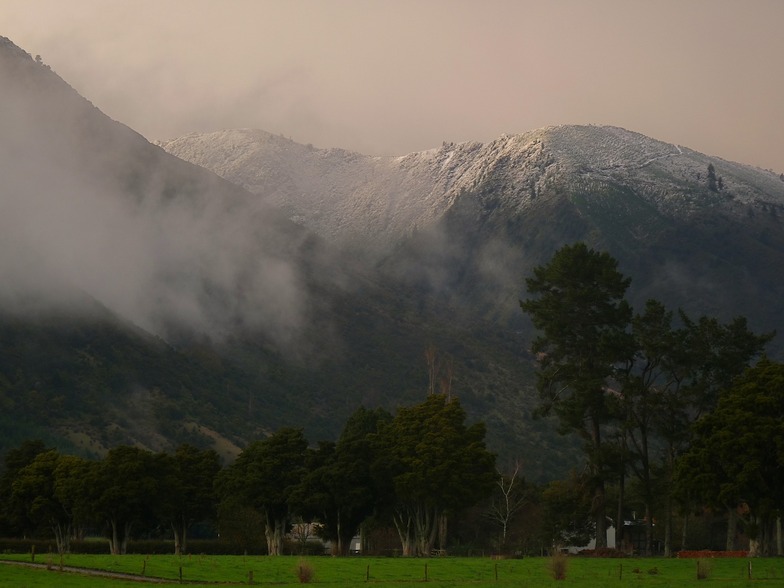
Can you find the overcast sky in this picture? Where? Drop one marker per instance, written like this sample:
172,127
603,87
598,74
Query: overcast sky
395,76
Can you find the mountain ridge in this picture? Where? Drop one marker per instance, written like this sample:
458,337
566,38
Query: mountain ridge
396,195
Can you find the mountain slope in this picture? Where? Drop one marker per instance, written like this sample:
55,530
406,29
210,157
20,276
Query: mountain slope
467,221
145,300
117,261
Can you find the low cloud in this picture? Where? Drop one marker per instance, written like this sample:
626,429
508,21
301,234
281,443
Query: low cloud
91,211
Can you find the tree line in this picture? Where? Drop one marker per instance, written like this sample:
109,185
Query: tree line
413,470
670,401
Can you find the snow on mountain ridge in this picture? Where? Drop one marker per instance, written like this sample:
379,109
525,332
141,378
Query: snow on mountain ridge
343,194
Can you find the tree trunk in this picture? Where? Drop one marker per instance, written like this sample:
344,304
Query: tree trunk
619,526
125,537
599,512
668,526
732,528
684,529
113,547
62,537
426,529
442,529
184,545
648,530
754,545
177,540
753,530
403,525
339,537
273,533
779,550
599,496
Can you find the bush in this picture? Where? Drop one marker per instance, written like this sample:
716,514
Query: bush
559,562
703,569
304,572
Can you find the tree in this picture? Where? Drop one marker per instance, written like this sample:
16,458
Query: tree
339,490
126,492
71,492
577,303
190,491
264,476
712,182
48,491
32,493
566,507
431,464
15,460
674,377
737,457
509,497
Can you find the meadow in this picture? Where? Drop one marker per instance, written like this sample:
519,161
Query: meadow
388,572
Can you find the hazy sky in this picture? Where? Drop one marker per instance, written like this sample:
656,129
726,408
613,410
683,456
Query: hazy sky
394,76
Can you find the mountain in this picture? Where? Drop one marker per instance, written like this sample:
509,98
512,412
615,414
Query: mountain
467,221
123,270
147,300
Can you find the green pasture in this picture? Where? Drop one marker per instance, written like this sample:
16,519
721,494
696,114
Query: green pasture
390,572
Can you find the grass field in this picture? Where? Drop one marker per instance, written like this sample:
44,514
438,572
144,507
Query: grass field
391,572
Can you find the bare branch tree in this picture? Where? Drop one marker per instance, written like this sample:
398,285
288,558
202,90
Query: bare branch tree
509,499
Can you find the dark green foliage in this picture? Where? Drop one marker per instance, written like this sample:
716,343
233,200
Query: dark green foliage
264,477
431,464
338,489
189,495
13,514
49,492
737,456
567,508
125,492
577,303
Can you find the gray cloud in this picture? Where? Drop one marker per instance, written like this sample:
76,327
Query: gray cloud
91,211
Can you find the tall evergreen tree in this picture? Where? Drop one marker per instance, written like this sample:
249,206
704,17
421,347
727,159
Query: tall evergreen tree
577,303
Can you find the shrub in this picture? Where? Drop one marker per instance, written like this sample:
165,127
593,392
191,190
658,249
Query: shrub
559,562
304,572
703,569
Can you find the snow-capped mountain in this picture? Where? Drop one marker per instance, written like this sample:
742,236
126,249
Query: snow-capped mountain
341,194
466,221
